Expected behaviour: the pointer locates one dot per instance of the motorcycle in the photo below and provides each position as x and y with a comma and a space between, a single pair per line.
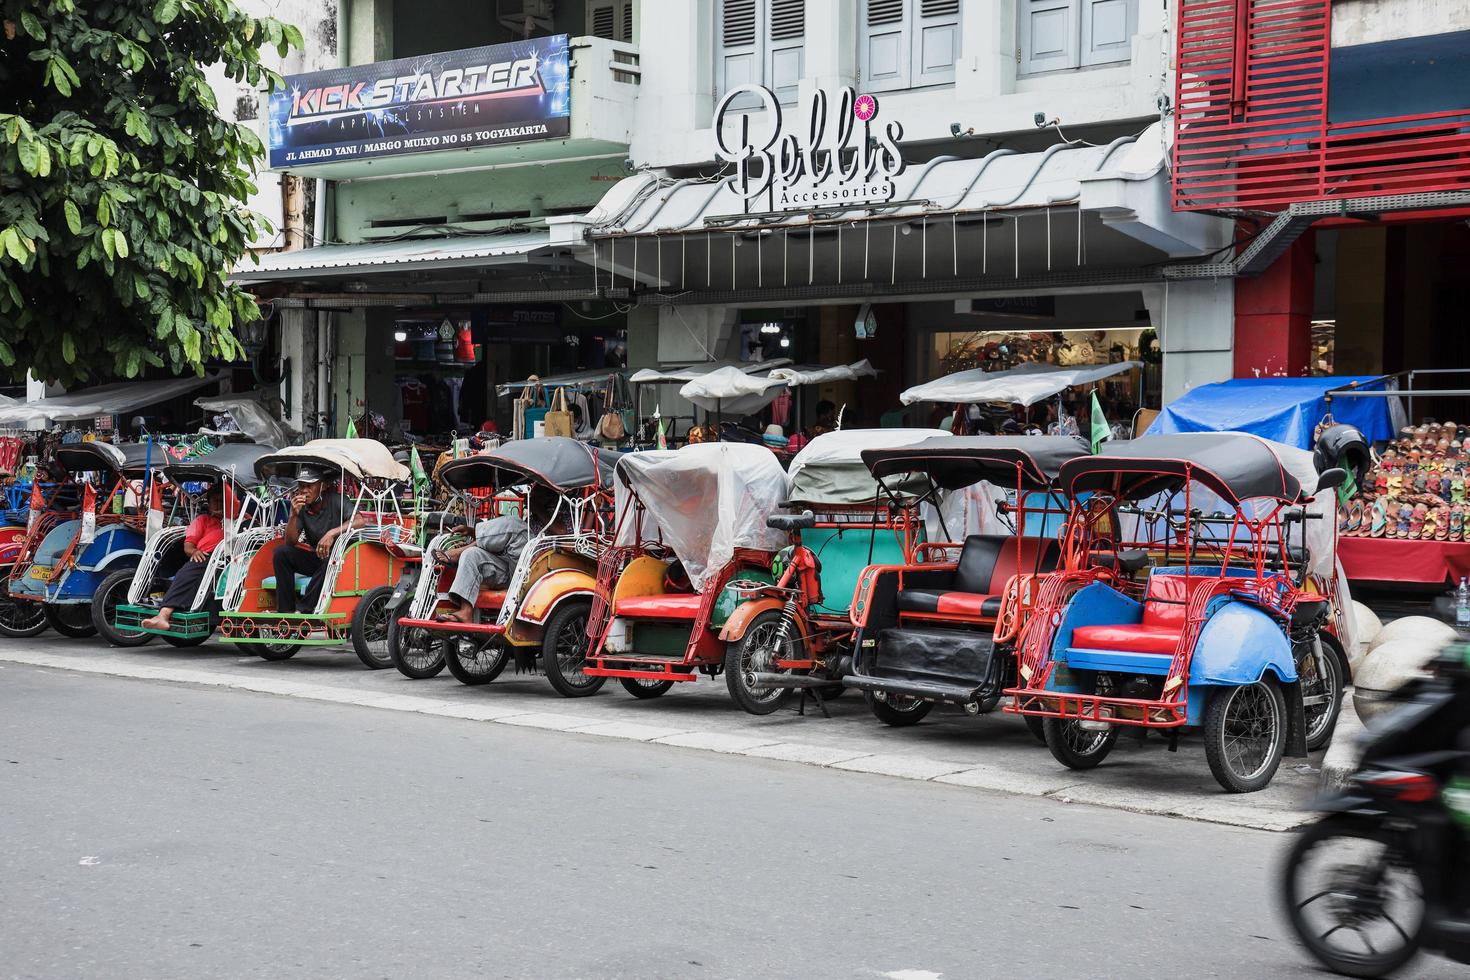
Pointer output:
1386, 872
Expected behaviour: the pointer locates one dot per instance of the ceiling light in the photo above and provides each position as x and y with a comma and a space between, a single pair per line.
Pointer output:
400, 335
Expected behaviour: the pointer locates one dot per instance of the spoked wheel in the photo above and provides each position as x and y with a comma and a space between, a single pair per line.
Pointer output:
476, 659
1245, 734
416, 652
1354, 897
20, 619
74, 620
898, 711
113, 592
1076, 747
564, 652
645, 690
370, 628
1321, 676
757, 652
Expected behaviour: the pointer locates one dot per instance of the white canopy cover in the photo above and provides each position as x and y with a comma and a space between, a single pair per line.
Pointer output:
740, 392
830, 469
705, 500
1023, 385
365, 459
667, 375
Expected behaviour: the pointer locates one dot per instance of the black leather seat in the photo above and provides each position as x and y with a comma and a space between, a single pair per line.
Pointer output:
987, 561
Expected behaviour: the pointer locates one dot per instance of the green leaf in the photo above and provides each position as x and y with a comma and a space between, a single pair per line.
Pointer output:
68, 348
120, 243
32, 25
107, 245
166, 12
73, 217
104, 211
7, 354
29, 150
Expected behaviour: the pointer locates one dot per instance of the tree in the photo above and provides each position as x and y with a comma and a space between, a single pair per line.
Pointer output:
122, 189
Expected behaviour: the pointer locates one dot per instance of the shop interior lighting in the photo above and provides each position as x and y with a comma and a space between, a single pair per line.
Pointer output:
785, 341
400, 335
770, 328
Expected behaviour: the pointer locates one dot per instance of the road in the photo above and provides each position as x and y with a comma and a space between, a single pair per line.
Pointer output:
164, 830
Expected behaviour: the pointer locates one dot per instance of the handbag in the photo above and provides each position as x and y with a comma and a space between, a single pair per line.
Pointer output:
559, 416
534, 411
612, 426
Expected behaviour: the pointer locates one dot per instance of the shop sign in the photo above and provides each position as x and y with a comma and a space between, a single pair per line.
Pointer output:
834, 153
486, 96
1037, 307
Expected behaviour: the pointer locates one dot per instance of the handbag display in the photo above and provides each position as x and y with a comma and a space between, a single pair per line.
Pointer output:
612, 427
558, 417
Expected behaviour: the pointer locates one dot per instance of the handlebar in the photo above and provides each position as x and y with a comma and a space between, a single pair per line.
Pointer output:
792, 522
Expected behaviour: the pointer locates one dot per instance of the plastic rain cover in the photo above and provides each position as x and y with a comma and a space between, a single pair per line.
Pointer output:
704, 500
830, 468
1024, 385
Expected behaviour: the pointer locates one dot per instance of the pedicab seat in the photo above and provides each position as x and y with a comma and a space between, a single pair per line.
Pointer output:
987, 561
302, 581
676, 606
1158, 631
490, 599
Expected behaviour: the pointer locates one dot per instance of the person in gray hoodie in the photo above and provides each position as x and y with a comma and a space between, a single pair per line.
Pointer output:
491, 560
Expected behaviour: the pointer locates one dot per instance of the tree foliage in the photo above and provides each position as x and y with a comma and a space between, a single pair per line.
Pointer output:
122, 189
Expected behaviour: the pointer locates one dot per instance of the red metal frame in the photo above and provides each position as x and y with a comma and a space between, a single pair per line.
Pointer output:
1251, 125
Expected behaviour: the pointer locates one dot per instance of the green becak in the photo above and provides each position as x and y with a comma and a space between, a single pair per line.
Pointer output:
122, 190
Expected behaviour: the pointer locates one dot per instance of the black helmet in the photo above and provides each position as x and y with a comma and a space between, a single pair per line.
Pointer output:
1345, 447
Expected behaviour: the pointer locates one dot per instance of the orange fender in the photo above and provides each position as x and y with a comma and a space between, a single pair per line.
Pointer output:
745, 613
547, 592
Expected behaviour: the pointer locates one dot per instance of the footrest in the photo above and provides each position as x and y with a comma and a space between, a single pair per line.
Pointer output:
184, 625
438, 625
274, 627
954, 658
927, 690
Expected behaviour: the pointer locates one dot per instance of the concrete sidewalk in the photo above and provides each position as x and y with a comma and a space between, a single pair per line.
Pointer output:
993, 752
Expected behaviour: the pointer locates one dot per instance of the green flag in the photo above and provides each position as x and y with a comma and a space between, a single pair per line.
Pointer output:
351, 432
416, 465
1100, 431
661, 440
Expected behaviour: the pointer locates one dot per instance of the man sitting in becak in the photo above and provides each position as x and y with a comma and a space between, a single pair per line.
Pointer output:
204, 535
317, 519
491, 560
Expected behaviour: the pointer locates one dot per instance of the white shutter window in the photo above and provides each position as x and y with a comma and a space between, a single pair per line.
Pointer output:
1107, 31
786, 33
612, 19
1049, 35
884, 56
625, 26
739, 45
936, 45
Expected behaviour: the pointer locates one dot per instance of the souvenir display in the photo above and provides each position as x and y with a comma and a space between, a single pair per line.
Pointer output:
1416, 489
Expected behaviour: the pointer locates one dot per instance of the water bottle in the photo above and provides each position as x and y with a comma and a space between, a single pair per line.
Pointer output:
1462, 603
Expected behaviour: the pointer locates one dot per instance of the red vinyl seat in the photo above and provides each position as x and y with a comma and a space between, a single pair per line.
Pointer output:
986, 564
490, 599
676, 606
1164, 607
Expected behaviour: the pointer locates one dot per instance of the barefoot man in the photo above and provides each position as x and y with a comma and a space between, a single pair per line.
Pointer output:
204, 535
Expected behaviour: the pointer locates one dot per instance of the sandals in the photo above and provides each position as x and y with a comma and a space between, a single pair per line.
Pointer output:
1457, 523
1380, 519
1441, 524
1417, 518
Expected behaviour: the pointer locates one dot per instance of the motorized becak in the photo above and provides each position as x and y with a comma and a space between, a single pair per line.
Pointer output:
799, 628
92, 528
941, 626
1221, 637
250, 516
1386, 871
689, 522
539, 617
360, 564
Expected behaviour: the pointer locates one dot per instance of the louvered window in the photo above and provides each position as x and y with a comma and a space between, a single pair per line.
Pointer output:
1058, 34
908, 43
612, 19
761, 42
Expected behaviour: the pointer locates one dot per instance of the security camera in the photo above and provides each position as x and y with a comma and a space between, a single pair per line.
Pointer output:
955, 130
630, 166
1039, 118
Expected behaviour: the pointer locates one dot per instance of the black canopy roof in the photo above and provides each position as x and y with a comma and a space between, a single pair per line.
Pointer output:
963, 461
1234, 465
557, 462
129, 458
233, 460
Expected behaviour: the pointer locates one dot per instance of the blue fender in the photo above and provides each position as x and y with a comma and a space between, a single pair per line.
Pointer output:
112, 544
1238, 645
1093, 605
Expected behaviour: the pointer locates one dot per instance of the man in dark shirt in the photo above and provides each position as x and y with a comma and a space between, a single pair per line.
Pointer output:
317, 519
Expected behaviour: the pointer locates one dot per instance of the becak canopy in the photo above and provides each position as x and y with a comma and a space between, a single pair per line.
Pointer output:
704, 501
830, 468
963, 461
130, 458
234, 461
363, 459
557, 462
1236, 466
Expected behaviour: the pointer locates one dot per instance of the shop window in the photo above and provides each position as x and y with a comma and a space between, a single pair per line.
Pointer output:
908, 43
612, 19
1060, 34
761, 42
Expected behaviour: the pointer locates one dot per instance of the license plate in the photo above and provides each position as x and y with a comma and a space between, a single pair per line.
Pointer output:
42, 572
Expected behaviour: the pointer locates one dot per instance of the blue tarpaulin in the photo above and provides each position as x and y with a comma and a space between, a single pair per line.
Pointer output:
1281, 409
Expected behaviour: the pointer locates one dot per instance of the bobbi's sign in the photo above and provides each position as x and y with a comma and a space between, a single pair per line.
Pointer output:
835, 152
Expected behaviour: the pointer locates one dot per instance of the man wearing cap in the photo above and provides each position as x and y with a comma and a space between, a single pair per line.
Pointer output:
317, 519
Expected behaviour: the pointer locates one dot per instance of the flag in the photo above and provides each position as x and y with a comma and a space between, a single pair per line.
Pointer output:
351, 432
661, 440
1101, 433
420, 480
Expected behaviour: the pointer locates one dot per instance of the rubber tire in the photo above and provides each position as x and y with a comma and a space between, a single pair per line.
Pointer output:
184, 642
1035, 727
69, 628
1055, 732
1339, 825
1215, 733
270, 651
395, 650
124, 580
644, 691
464, 676
1338, 665
372, 661
35, 628
894, 717
735, 655
567, 687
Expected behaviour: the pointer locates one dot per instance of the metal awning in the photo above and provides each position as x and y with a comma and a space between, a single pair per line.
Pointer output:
406, 255
113, 399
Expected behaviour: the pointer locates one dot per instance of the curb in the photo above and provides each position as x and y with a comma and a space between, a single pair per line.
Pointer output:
1060, 788
1341, 759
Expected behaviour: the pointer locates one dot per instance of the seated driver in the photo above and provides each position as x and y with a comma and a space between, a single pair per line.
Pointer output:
204, 535
318, 518
491, 560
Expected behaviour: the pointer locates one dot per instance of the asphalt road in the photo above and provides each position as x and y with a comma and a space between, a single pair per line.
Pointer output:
162, 830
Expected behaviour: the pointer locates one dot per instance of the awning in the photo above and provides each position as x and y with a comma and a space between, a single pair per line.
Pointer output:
1024, 385
729, 389
446, 252
681, 374
114, 399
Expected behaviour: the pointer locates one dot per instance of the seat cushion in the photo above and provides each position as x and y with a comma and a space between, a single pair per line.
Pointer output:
947, 603
1166, 600
987, 561
302, 581
1139, 638
490, 599
678, 606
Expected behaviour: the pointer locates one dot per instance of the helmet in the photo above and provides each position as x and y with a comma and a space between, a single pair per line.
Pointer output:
1342, 446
